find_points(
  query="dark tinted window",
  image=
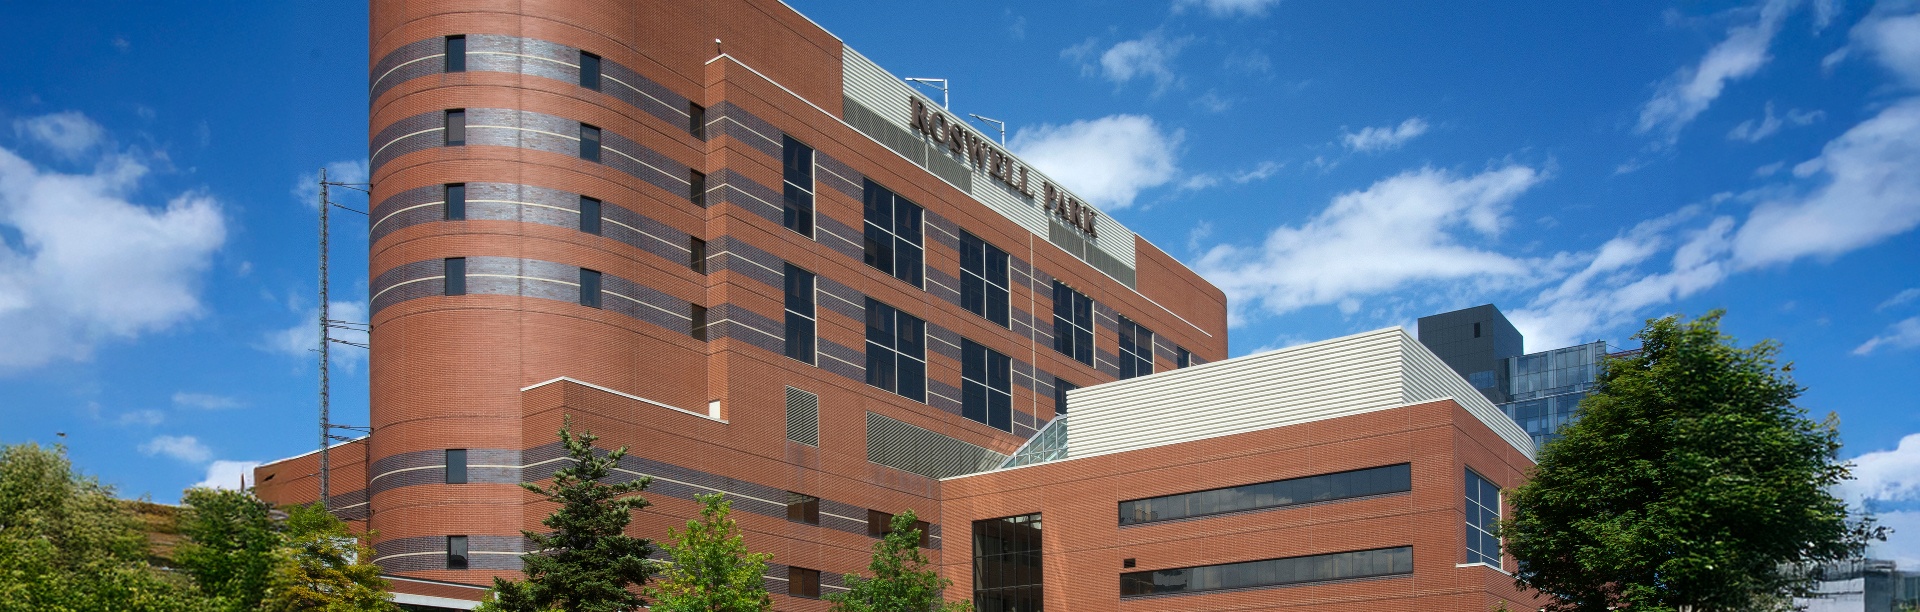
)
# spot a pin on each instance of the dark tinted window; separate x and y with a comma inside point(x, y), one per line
point(589, 288)
point(697, 188)
point(589, 71)
point(697, 120)
point(456, 202)
point(879, 523)
point(456, 54)
point(1060, 389)
point(456, 127)
point(803, 508)
point(1270, 572)
point(1072, 323)
point(697, 322)
point(589, 143)
point(1136, 349)
point(799, 307)
point(803, 582)
point(456, 273)
point(892, 234)
point(457, 552)
point(1483, 513)
point(589, 215)
point(456, 466)
point(1182, 358)
point(986, 394)
point(983, 279)
point(697, 255)
point(896, 351)
point(796, 162)
point(1275, 494)
point(1006, 561)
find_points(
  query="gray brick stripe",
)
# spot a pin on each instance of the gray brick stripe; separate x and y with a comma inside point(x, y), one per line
point(530, 130)
point(536, 279)
point(528, 56)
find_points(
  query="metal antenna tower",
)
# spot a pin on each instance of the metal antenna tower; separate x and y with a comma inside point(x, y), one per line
point(327, 323)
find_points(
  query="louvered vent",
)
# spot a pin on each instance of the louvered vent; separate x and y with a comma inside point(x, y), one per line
point(899, 445)
point(803, 417)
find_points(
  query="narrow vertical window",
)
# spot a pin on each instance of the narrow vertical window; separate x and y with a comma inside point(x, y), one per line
point(456, 54)
point(1060, 389)
point(456, 466)
point(1136, 349)
point(589, 288)
point(697, 322)
point(797, 174)
point(879, 524)
point(1476, 330)
point(985, 393)
point(697, 255)
point(803, 508)
point(457, 552)
point(456, 127)
point(697, 188)
point(893, 237)
point(1182, 357)
point(803, 582)
point(896, 351)
point(456, 201)
point(983, 279)
point(589, 71)
point(800, 316)
point(697, 120)
point(456, 276)
point(590, 215)
point(1072, 323)
point(1483, 514)
point(589, 143)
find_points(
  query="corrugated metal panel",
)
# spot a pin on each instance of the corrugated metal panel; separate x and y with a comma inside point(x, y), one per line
point(803, 417)
point(1429, 378)
point(921, 451)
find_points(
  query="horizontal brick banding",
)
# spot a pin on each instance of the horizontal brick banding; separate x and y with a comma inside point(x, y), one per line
point(519, 129)
point(531, 57)
point(535, 279)
point(527, 204)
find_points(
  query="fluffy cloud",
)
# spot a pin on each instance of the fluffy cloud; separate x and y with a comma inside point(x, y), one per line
point(1108, 160)
point(1226, 8)
point(1888, 481)
point(1611, 290)
point(307, 190)
point(1148, 58)
point(69, 134)
point(1418, 226)
point(1385, 138)
point(1692, 89)
point(226, 474)
point(1259, 172)
point(1899, 298)
point(204, 401)
point(81, 239)
point(1867, 190)
point(1769, 124)
point(1894, 40)
point(301, 338)
point(1902, 335)
point(184, 448)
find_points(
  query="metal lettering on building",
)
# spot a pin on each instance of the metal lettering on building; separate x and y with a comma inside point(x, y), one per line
point(1001, 166)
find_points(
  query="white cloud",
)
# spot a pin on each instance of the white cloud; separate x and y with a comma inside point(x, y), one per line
point(1611, 291)
point(1149, 57)
point(1692, 89)
point(1769, 124)
point(1385, 138)
point(1903, 545)
point(1108, 160)
point(307, 191)
point(1902, 335)
point(227, 474)
point(68, 134)
point(204, 401)
point(1227, 8)
point(88, 264)
point(147, 418)
point(1419, 226)
point(1870, 192)
point(300, 339)
point(1259, 172)
point(1888, 481)
point(1894, 40)
point(184, 448)
point(1899, 298)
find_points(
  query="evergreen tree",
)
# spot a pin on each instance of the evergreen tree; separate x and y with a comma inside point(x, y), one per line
point(232, 546)
point(1690, 481)
point(587, 563)
point(901, 581)
point(327, 568)
point(712, 570)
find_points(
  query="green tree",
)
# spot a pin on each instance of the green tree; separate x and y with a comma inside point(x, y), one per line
point(326, 569)
point(712, 570)
point(232, 546)
point(67, 545)
point(1690, 481)
point(901, 581)
point(587, 563)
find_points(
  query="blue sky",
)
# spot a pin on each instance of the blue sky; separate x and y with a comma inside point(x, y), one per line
point(1335, 166)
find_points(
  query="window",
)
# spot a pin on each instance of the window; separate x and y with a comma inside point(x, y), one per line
point(803, 582)
point(879, 523)
point(456, 201)
point(589, 288)
point(983, 279)
point(1270, 572)
point(985, 394)
point(697, 255)
point(1072, 323)
point(589, 143)
point(803, 508)
point(457, 552)
point(1275, 494)
point(1483, 513)
point(896, 351)
point(589, 215)
point(697, 120)
point(1476, 330)
point(796, 161)
point(697, 322)
point(589, 71)
point(456, 466)
point(893, 234)
point(800, 321)
point(1006, 558)
point(1182, 357)
point(456, 275)
point(697, 188)
point(456, 54)
point(1136, 349)
point(1060, 389)
point(456, 127)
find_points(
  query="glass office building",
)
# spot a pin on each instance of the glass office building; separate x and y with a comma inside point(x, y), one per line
point(1540, 391)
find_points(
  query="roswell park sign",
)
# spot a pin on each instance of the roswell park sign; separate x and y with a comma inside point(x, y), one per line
point(1000, 166)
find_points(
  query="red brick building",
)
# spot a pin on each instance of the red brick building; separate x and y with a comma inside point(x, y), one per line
point(712, 233)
